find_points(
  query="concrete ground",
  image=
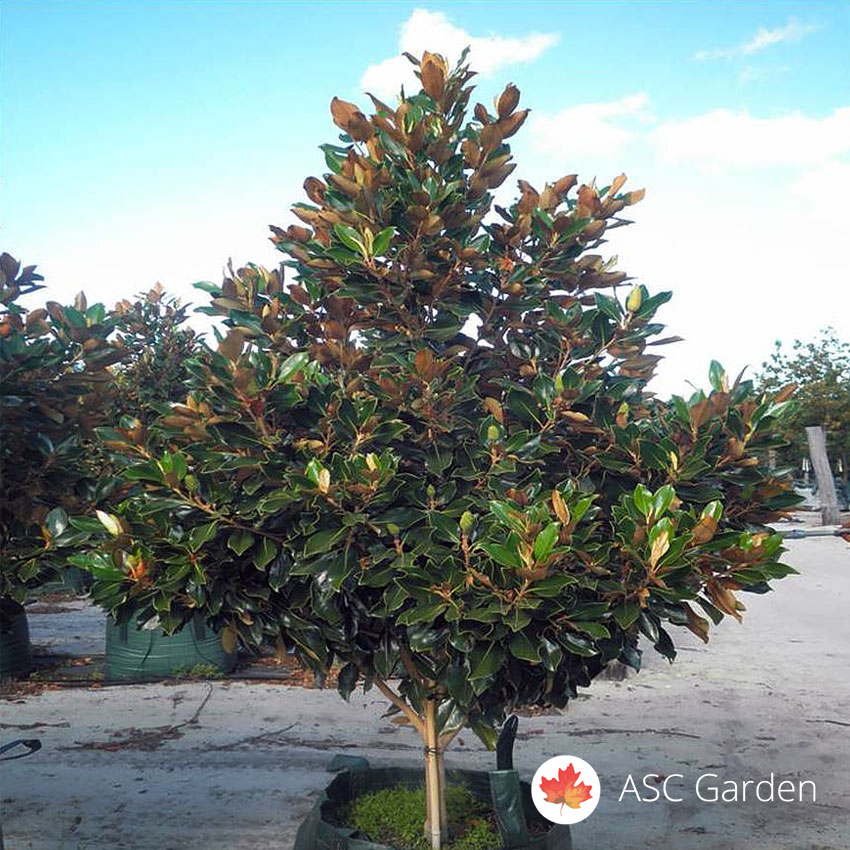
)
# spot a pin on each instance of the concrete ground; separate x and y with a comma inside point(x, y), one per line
point(237, 765)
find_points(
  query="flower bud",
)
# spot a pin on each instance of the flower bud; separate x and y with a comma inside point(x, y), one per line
point(634, 300)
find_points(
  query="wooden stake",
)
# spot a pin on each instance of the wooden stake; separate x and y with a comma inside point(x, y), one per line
point(435, 824)
point(826, 483)
point(444, 814)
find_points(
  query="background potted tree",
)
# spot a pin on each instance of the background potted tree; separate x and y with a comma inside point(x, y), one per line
point(55, 386)
point(432, 458)
point(151, 330)
point(159, 345)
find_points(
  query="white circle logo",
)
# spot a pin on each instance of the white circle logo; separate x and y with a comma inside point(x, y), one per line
point(565, 789)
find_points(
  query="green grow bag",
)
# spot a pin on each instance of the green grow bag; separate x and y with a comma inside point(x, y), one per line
point(318, 831)
point(15, 650)
point(133, 653)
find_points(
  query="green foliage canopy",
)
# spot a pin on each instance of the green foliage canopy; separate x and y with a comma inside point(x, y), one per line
point(55, 385)
point(432, 456)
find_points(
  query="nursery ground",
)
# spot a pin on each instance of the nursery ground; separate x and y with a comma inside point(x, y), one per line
point(237, 764)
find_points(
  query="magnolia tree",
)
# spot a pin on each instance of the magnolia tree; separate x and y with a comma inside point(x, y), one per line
point(152, 330)
point(55, 384)
point(431, 458)
point(64, 371)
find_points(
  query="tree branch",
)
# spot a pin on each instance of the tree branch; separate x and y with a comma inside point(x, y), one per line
point(400, 704)
point(446, 739)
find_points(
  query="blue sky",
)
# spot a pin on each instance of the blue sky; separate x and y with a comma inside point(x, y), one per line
point(147, 141)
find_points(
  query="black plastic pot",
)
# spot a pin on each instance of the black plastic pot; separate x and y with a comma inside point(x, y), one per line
point(133, 653)
point(318, 831)
point(15, 649)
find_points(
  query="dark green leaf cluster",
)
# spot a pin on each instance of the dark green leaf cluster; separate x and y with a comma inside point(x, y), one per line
point(56, 385)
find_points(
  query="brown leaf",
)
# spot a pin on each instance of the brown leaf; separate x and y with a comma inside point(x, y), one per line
point(342, 112)
point(349, 118)
point(507, 101)
point(493, 164)
point(719, 402)
point(424, 363)
point(510, 125)
point(499, 177)
point(724, 599)
point(231, 345)
point(659, 548)
point(530, 197)
point(698, 625)
point(701, 412)
point(617, 185)
point(300, 295)
point(633, 197)
point(299, 234)
point(335, 330)
point(495, 409)
point(704, 530)
point(315, 189)
point(348, 187)
point(360, 128)
point(433, 72)
point(432, 225)
point(560, 506)
point(379, 105)
point(304, 214)
point(471, 153)
point(575, 416)
point(564, 185)
point(490, 137)
point(588, 198)
point(594, 230)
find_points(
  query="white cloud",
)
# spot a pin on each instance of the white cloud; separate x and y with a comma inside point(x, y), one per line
point(791, 32)
point(592, 129)
point(751, 255)
point(747, 263)
point(433, 31)
point(736, 139)
point(822, 191)
point(752, 74)
point(176, 244)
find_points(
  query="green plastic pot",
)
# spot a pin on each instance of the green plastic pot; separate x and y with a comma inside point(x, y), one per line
point(134, 653)
point(15, 649)
point(318, 832)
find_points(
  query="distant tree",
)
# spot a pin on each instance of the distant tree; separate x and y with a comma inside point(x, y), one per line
point(158, 346)
point(820, 369)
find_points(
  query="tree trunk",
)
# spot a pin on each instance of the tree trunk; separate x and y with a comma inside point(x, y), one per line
point(826, 483)
point(436, 828)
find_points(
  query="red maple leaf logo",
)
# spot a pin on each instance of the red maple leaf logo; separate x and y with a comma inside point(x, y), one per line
point(566, 789)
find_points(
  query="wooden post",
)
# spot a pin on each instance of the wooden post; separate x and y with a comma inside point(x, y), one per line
point(435, 825)
point(826, 484)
